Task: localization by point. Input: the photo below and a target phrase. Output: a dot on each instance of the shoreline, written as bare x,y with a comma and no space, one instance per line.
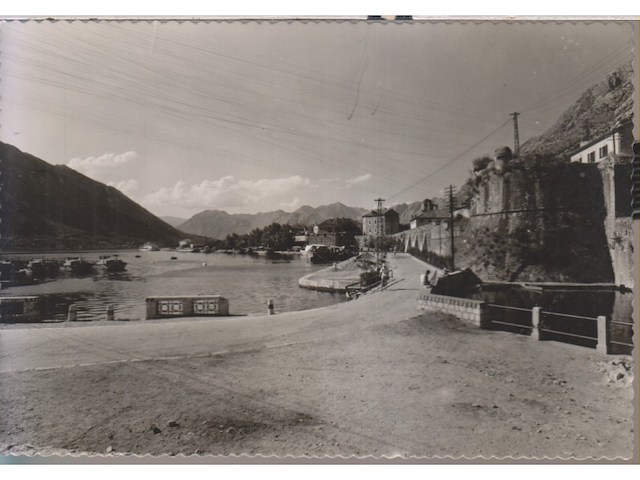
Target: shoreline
333,279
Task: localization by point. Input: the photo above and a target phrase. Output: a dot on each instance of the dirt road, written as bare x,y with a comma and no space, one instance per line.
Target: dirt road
368,377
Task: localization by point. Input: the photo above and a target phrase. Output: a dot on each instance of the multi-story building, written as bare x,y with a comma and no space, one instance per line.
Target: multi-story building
388,223
430,213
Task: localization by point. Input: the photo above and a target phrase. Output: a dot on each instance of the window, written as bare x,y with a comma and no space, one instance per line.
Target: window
603,151
591,158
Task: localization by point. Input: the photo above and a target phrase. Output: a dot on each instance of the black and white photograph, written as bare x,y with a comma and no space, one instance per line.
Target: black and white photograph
381,238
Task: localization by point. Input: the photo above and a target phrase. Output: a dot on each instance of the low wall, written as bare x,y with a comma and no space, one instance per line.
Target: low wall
187,306
469,311
20,309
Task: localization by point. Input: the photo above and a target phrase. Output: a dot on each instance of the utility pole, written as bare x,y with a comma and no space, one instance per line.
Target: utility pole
516,135
379,228
449,193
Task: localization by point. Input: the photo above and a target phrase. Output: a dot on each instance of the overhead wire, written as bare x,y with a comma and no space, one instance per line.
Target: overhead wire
197,101
450,162
111,94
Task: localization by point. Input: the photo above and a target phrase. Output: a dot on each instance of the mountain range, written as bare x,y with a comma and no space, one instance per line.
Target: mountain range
48,206
218,223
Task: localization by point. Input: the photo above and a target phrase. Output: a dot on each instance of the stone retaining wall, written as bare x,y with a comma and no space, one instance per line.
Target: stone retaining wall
469,311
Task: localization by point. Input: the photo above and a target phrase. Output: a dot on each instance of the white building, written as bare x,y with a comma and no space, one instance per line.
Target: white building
616,142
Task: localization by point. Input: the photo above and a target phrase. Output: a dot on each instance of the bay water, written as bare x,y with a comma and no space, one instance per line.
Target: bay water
248,282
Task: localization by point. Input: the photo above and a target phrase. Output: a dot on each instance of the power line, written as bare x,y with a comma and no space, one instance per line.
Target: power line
442,167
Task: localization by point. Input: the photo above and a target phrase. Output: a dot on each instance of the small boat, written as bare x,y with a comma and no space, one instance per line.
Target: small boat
327,254
41,268
149,247
189,248
111,263
77,266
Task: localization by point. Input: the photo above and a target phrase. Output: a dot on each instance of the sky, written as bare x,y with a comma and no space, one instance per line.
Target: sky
259,116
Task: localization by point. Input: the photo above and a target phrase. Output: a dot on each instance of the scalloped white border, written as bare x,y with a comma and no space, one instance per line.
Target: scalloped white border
62,456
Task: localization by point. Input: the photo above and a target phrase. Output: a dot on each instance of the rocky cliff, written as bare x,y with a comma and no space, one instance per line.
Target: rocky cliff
596,112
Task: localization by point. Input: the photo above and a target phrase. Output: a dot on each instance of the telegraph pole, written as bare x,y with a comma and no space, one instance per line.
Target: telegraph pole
516,135
449,193
379,228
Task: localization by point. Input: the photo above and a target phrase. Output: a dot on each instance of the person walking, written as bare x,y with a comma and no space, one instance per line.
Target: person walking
384,275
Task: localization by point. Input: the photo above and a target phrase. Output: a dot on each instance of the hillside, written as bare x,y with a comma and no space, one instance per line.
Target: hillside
48,206
173,221
408,211
597,111
219,224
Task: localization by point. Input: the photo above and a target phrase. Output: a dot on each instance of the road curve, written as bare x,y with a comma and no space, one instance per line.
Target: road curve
55,347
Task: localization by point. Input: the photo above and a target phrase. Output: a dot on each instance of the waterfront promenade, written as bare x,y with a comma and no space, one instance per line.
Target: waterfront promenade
369,377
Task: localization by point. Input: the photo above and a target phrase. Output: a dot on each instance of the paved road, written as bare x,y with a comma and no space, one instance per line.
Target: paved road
55,347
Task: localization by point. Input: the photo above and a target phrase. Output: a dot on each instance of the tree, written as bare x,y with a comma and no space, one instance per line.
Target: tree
278,237
480,163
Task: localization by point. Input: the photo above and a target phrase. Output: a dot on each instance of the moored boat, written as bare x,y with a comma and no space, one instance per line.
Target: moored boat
189,247
41,268
112,263
149,247
327,254
77,266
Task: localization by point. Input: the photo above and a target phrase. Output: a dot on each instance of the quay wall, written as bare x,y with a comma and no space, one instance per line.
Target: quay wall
333,278
325,284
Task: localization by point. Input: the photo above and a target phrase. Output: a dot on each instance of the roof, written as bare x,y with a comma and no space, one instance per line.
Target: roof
374,213
432,215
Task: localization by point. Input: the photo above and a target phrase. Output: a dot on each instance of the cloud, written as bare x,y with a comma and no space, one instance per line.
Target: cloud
290,204
226,192
125,186
91,166
360,179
